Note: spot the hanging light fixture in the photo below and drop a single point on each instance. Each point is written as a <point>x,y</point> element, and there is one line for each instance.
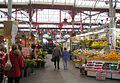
<point>65,19</point>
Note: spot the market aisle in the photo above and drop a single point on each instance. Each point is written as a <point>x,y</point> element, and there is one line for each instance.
<point>72,75</point>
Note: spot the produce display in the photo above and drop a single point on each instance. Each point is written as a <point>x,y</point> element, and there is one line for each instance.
<point>108,56</point>
<point>91,55</point>
<point>100,43</point>
<point>29,63</point>
<point>99,58</point>
<point>84,53</point>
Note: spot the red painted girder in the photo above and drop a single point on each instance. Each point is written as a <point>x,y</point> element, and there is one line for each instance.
<point>36,23</point>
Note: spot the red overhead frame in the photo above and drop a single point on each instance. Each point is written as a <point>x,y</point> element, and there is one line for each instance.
<point>37,23</point>
<point>30,7</point>
<point>41,28</point>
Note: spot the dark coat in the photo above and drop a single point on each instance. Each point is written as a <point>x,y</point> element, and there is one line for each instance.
<point>1,69</point>
<point>17,62</point>
<point>56,52</point>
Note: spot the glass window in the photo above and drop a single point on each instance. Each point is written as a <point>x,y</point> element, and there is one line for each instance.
<point>1,0</point>
<point>71,2</point>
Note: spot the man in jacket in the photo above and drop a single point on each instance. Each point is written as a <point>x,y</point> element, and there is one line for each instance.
<point>56,55</point>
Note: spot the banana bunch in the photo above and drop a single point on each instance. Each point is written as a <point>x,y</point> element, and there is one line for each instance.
<point>101,43</point>
<point>95,43</point>
<point>105,43</point>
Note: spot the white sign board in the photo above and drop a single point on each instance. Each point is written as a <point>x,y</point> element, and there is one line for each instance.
<point>14,32</point>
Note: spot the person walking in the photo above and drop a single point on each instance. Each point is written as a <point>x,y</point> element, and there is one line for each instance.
<point>17,63</point>
<point>56,55</point>
<point>65,56</point>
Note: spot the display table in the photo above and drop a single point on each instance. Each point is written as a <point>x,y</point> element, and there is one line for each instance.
<point>107,63</point>
<point>95,67</point>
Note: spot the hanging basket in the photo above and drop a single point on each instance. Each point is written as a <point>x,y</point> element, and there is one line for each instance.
<point>8,29</point>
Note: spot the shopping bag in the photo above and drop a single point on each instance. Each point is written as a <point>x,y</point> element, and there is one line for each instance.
<point>8,64</point>
<point>53,59</point>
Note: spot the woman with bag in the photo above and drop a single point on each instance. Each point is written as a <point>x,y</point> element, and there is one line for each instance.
<point>1,62</point>
<point>17,62</point>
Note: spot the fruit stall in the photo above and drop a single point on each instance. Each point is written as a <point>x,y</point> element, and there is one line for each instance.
<point>100,61</point>
<point>97,64</point>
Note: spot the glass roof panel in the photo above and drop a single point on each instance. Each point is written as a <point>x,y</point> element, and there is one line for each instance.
<point>82,3</point>
<point>47,16</point>
<point>1,0</point>
<point>79,3</point>
<point>47,0</point>
<point>64,15</point>
<point>77,17</point>
<point>19,0</point>
<point>71,2</point>
<point>59,1</point>
<point>102,5</point>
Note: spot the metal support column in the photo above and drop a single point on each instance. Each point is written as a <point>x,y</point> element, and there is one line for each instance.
<point>90,20</point>
<point>70,47</point>
<point>30,19</point>
<point>112,26</point>
<point>81,22</point>
<point>9,9</point>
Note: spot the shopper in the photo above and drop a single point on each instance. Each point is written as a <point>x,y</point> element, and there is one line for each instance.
<point>56,55</point>
<point>17,63</point>
<point>2,53</point>
<point>1,71</point>
<point>20,49</point>
<point>82,68</point>
<point>33,54</point>
<point>65,56</point>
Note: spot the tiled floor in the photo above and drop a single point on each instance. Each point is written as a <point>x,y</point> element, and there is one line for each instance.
<point>72,75</point>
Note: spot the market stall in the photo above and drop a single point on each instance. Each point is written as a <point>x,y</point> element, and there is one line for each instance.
<point>102,62</point>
